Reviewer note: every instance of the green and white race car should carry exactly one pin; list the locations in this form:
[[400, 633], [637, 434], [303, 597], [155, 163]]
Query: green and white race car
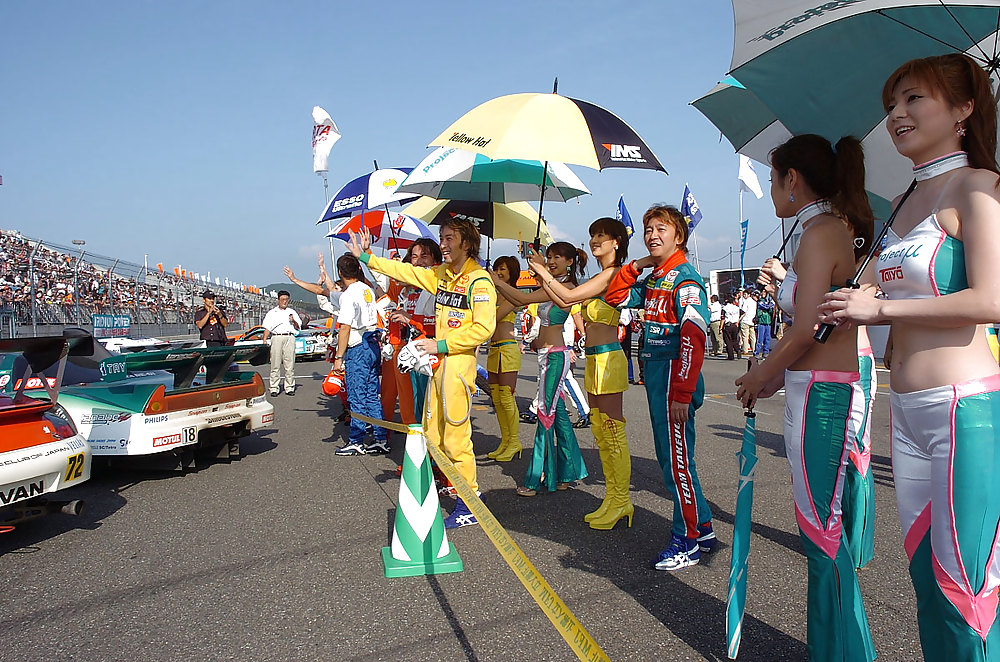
[[155, 403]]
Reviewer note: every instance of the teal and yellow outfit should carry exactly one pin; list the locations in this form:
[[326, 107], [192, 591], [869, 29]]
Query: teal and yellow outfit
[[504, 356], [556, 455], [607, 372]]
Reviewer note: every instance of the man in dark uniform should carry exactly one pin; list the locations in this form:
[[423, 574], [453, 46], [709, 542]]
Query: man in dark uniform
[[211, 321]]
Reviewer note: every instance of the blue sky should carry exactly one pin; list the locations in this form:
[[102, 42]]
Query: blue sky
[[182, 129]]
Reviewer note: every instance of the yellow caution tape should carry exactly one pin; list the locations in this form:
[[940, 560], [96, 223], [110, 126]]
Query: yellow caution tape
[[580, 641]]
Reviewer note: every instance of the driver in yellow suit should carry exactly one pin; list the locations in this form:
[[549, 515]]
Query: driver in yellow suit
[[465, 317]]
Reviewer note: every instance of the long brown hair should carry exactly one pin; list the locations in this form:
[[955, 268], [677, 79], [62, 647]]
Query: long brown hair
[[957, 78], [577, 257], [838, 176]]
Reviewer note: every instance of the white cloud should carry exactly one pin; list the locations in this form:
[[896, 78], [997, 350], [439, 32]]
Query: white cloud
[[310, 250]]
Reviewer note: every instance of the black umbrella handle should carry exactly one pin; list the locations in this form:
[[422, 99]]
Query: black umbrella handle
[[748, 412], [823, 332]]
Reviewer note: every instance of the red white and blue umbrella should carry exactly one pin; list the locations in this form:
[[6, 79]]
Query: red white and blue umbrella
[[371, 191], [391, 230]]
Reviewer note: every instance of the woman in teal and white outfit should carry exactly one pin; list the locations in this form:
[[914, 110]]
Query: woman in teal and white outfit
[[940, 271], [825, 190], [556, 461]]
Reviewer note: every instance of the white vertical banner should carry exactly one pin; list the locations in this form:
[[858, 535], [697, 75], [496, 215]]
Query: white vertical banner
[[325, 134]]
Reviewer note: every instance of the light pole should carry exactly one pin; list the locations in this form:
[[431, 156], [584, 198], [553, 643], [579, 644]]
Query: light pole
[[76, 277]]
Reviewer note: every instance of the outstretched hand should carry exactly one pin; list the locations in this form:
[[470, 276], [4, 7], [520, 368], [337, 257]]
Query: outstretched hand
[[288, 272]]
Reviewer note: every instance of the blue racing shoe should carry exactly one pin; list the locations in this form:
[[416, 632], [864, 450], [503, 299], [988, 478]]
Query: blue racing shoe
[[460, 516], [706, 538], [682, 553]]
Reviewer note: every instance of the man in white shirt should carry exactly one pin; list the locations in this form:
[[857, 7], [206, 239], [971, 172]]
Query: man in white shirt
[[281, 324], [748, 332], [358, 358], [731, 328], [715, 324]]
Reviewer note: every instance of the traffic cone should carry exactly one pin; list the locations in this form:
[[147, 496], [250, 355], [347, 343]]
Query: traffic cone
[[419, 543]]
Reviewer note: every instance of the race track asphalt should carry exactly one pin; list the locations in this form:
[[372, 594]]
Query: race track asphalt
[[276, 556]]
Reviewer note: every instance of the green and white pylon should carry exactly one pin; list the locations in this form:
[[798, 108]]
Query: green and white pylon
[[419, 542]]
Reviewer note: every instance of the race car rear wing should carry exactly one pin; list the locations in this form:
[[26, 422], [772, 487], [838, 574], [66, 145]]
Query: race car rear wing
[[184, 364], [41, 354]]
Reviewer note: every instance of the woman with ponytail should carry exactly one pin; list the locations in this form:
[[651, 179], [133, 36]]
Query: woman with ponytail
[[556, 459], [503, 363], [824, 190], [606, 373], [940, 271]]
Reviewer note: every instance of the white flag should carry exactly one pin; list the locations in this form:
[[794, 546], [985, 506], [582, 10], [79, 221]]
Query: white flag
[[748, 178], [325, 133]]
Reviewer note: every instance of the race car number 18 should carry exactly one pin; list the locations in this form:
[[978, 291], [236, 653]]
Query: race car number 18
[[190, 434], [74, 467]]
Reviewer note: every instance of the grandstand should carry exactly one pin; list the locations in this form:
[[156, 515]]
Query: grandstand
[[45, 286]]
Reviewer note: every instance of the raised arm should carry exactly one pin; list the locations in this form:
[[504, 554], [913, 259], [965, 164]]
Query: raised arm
[[515, 295], [315, 288]]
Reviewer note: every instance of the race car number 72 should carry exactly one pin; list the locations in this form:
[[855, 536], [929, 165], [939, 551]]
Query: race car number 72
[[74, 467]]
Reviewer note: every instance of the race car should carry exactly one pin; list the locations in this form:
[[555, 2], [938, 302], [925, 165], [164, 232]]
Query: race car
[[310, 343], [41, 452], [148, 405]]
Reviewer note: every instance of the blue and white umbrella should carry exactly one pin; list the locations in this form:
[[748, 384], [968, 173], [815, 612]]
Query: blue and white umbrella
[[371, 191], [457, 174]]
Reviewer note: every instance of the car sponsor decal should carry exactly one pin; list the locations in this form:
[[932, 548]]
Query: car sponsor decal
[[223, 418], [22, 492], [102, 418], [159, 418], [74, 467], [33, 382], [167, 440], [267, 418]]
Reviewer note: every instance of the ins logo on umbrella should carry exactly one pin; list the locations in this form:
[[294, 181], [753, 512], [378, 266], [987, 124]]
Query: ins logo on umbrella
[[624, 153], [389, 183], [397, 222]]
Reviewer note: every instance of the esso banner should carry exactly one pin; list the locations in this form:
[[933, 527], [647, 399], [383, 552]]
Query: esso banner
[[111, 326]]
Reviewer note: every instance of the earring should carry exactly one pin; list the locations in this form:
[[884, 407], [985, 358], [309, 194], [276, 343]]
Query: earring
[[960, 129], [791, 197]]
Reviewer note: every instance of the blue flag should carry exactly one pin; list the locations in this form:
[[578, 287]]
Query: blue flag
[[744, 226], [622, 215], [689, 208]]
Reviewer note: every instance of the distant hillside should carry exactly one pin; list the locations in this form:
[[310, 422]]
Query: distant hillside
[[298, 294]]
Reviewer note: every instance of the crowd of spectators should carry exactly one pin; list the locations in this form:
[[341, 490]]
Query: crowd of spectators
[[61, 288]]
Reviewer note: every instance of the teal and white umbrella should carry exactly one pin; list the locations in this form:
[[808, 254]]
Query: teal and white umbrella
[[736, 596], [820, 67], [754, 131], [456, 174]]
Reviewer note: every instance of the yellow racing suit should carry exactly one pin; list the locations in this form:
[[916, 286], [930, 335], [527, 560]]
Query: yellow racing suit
[[465, 317]]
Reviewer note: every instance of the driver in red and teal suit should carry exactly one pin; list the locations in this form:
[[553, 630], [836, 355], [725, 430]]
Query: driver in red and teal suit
[[676, 314]]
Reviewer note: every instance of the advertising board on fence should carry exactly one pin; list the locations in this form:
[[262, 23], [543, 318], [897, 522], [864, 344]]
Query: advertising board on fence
[[111, 326]]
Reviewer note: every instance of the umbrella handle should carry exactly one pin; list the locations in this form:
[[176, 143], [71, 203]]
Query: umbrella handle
[[823, 333]]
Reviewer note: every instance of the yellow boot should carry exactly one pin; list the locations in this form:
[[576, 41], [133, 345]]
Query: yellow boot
[[597, 427], [508, 417], [495, 397], [619, 503]]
